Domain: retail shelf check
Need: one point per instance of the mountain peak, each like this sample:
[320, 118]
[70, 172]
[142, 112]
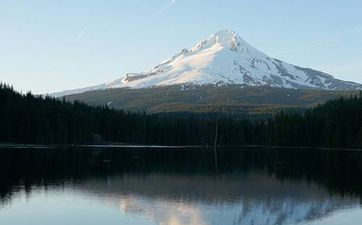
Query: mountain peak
[225, 38]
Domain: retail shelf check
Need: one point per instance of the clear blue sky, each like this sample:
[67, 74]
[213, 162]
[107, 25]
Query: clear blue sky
[52, 45]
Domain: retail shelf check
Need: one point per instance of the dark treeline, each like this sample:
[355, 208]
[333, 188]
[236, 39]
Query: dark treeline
[29, 119]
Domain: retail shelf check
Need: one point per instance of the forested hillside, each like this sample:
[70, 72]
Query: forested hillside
[208, 98]
[25, 118]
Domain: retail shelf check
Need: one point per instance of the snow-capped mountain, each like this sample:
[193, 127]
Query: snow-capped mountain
[225, 58]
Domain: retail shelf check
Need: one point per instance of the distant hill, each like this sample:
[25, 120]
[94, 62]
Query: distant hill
[207, 98]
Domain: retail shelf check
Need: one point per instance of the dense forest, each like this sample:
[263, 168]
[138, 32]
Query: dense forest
[29, 119]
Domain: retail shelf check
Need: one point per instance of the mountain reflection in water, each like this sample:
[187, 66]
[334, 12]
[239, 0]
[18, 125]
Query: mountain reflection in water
[179, 186]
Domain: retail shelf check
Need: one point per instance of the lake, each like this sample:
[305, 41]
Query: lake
[176, 186]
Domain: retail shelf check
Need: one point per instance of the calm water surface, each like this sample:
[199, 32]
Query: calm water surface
[141, 186]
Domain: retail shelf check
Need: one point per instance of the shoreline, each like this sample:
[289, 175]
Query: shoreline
[135, 146]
